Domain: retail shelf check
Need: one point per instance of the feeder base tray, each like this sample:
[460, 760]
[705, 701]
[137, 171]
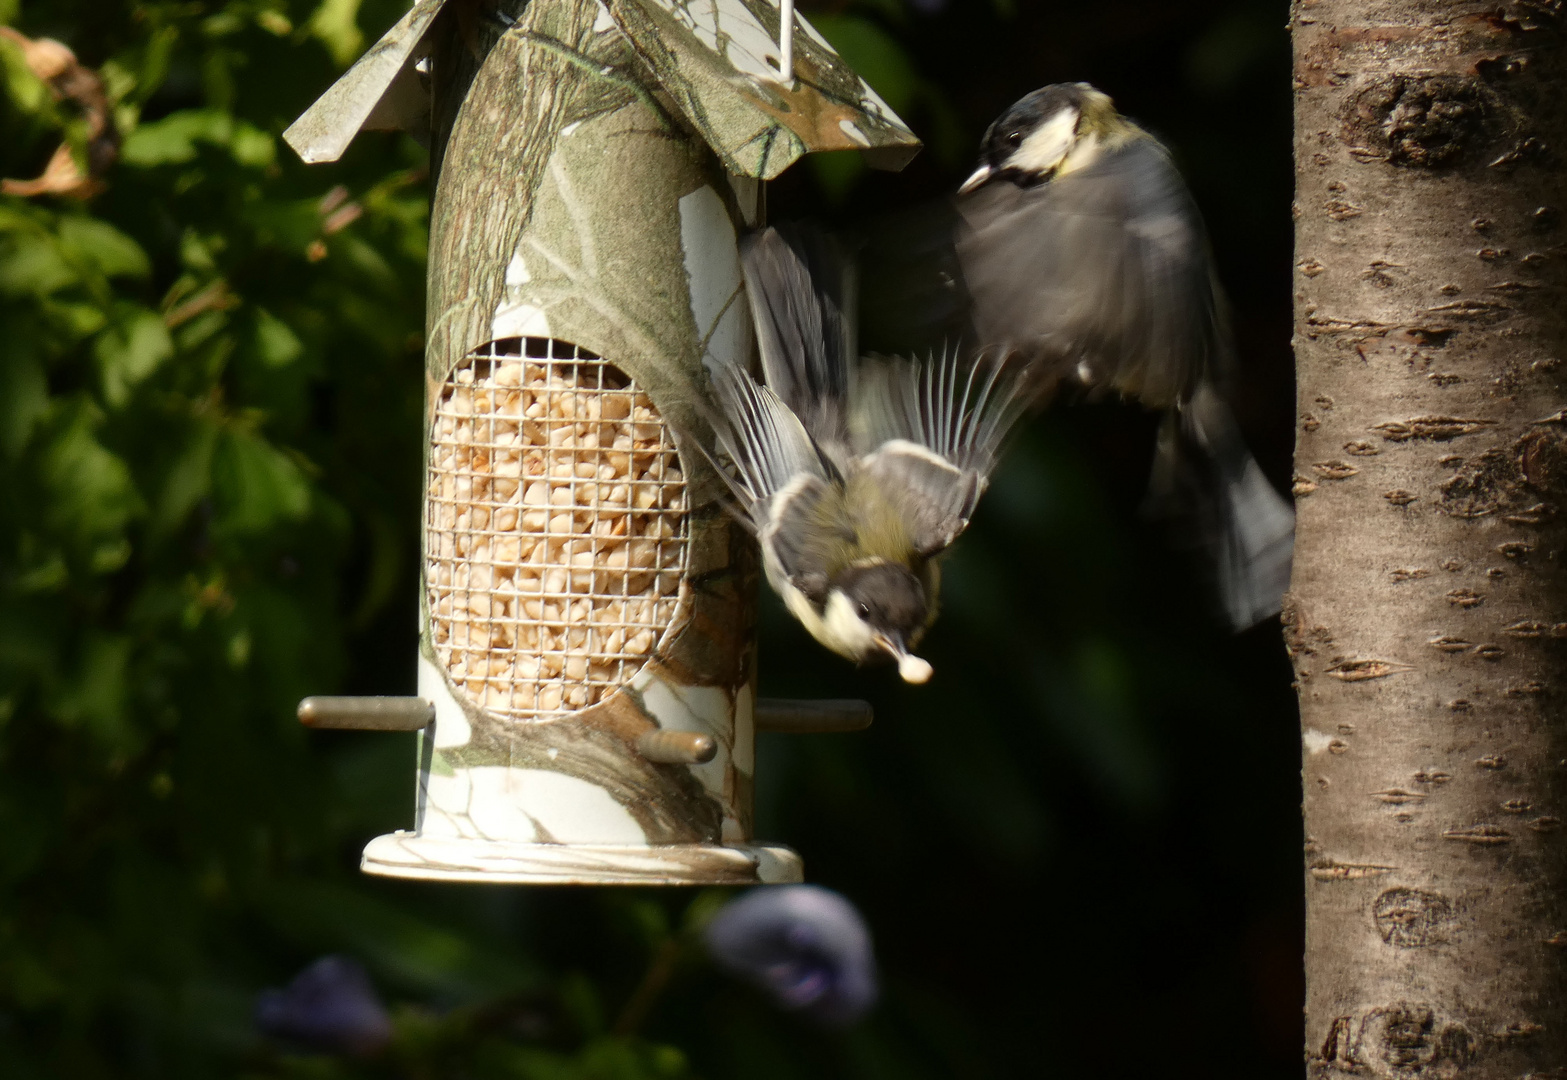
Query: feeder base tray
[409, 855]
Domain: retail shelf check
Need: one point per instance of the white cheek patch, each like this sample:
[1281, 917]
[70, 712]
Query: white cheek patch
[836, 626]
[1048, 144]
[851, 635]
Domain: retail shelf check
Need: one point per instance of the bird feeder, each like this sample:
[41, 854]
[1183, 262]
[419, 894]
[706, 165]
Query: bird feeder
[586, 694]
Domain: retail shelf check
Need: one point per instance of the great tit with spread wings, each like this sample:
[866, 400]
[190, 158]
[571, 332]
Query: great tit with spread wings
[1076, 246]
[854, 473]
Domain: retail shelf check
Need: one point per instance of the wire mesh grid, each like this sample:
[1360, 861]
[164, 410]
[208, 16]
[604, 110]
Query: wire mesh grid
[556, 528]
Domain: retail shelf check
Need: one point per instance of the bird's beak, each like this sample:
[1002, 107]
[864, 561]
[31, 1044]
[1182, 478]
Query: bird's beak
[910, 667]
[981, 174]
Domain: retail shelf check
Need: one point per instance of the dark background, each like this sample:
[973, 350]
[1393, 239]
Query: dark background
[1077, 847]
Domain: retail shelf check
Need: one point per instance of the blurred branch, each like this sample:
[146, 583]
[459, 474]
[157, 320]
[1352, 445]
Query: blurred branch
[214, 297]
[56, 66]
[659, 971]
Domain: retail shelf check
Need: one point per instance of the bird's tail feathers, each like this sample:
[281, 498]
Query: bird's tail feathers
[1208, 484]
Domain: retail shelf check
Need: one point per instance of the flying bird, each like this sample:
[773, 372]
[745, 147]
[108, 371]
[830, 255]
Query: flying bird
[1076, 246]
[854, 473]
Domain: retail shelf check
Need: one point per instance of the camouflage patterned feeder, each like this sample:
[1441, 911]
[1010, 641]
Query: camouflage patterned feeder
[587, 659]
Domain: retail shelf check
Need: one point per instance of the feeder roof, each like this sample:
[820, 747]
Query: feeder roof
[384, 74]
[716, 59]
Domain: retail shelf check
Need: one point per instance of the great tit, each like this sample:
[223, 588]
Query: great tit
[1076, 246]
[854, 473]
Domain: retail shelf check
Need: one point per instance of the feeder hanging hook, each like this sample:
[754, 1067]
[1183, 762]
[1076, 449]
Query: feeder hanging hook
[786, 41]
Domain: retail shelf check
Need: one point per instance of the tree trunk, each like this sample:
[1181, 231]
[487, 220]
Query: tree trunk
[1427, 618]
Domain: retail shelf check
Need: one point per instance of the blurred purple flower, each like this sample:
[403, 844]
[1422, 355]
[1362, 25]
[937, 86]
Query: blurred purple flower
[806, 946]
[330, 1007]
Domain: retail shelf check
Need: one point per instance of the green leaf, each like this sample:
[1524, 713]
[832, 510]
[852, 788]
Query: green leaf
[24, 392]
[289, 224]
[73, 320]
[118, 82]
[276, 344]
[175, 139]
[31, 264]
[18, 215]
[26, 90]
[96, 695]
[156, 58]
[239, 649]
[256, 486]
[89, 495]
[275, 23]
[197, 253]
[134, 346]
[335, 25]
[109, 555]
[46, 573]
[101, 245]
[252, 146]
[223, 23]
[188, 481]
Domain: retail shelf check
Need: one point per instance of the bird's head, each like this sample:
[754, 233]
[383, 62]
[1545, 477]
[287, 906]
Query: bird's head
[879, 608]
[1051, 132]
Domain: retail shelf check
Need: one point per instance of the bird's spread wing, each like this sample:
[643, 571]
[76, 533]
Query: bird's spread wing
[1102, 276]
[801, 287]
[767, 445]
[777, 474]
[927, 435]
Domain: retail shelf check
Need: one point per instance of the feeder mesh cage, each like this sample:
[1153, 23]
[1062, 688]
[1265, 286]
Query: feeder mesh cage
[556, 528]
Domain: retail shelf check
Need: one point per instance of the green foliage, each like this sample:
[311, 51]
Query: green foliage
[174, 526]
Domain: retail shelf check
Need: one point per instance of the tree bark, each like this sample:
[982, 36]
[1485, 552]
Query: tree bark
[1426, 617]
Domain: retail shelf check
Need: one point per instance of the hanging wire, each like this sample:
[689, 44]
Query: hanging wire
[786, 41]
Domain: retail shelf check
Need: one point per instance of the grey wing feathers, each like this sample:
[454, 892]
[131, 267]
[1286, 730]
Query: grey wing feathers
[765, 442]
[779, 477]
[929, 433]
[955, 404]
[801, 288]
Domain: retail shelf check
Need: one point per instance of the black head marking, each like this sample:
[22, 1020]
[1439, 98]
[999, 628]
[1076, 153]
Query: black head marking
[1020, 120]
[887, 596]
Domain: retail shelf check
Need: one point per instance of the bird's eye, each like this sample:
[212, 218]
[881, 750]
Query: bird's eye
[865, 611]
[1015, 139]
